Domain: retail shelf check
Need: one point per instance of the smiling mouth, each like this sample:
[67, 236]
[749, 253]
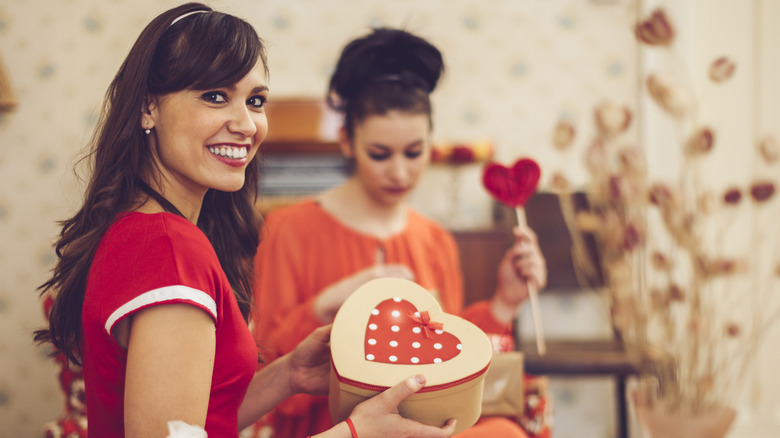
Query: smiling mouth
[228, 151]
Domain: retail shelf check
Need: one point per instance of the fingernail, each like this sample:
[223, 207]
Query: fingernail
[420, 379]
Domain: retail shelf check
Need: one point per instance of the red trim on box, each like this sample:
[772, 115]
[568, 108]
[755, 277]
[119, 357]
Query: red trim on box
[377, 388]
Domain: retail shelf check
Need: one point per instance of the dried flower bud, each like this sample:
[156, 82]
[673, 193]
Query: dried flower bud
[722, 69]
[732, 196]
[662, 196]
[700, 142]
[611, 119]
[661, 262]
[596, 158]
[667, 95]
[633, 236]
[656, 30]
[721, 266]
[770, 149]
[762, 191]
[733, 330]
[617, 187]
[563, 135]
[632, 162]
[676, 293]
[560, 183]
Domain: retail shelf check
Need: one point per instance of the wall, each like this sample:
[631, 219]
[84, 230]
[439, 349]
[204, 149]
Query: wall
[514, 69]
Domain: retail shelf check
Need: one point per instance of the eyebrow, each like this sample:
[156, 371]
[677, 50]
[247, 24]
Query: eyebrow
[259, 89]
[412, 144]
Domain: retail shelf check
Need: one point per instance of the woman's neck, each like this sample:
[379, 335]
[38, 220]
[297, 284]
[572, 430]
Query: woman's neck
[148, 204]
[353, 207]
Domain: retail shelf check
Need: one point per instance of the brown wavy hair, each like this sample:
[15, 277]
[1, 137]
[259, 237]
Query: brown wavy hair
[199, 51]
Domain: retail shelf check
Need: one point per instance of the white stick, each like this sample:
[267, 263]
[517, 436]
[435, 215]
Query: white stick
[533, 294]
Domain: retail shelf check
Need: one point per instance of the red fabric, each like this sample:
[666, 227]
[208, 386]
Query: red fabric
[304, 250]
[72, 423]
[151, 259]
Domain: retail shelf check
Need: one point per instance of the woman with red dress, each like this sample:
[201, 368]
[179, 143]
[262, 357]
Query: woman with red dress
[152, 288]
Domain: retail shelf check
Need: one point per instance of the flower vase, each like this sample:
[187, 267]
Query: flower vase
[658, 420]
[660, 423]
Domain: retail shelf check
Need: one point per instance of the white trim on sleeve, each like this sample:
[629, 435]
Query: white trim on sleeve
[167, 293]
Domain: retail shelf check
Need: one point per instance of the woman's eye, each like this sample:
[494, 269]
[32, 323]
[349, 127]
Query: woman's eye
[214, 97]
[378, 156]
[414, 153]
[257, 101]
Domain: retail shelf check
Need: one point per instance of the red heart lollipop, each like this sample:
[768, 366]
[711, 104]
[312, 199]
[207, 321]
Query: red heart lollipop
[512, 186]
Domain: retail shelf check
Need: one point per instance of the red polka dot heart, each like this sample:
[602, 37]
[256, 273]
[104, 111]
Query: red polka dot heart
[398, 333]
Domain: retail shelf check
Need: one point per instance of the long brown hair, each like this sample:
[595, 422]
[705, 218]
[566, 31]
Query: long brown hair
[198, 51]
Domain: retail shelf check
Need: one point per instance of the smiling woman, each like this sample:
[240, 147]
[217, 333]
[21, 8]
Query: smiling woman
[151, 291]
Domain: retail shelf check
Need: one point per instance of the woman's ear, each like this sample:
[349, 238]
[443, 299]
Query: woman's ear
[148, 113]
[345, 143]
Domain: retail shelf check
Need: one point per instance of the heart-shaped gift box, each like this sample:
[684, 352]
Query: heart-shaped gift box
[390, 329]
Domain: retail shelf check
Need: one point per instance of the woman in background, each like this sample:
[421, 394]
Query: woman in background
[152, 288]
[317, 252]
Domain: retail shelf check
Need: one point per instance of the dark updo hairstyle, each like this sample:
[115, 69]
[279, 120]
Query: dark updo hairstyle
[187, 47]
[388, 69]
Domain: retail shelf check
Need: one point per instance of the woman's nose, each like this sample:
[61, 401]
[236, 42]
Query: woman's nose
[398, 169]
[242, 122]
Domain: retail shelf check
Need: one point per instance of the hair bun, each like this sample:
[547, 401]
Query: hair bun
[386, 53]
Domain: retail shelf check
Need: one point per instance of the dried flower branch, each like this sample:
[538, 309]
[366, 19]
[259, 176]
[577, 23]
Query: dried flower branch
[671, 281]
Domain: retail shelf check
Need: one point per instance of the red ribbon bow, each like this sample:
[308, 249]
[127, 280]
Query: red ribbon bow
[425, 321]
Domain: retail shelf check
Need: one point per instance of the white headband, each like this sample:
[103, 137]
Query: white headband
[186, 15]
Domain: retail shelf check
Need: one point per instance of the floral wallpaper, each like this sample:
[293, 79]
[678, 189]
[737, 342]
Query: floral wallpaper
[514, 69]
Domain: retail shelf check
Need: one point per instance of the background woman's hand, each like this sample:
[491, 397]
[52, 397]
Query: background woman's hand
[330, 300]
[378, 416]
[521, 265]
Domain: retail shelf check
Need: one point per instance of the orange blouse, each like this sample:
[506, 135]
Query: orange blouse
[304, 250]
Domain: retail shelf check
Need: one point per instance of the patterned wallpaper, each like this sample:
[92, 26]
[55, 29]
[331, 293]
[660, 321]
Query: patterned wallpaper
[514, 69]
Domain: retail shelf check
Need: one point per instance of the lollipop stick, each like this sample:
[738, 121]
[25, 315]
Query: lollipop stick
[533, 294]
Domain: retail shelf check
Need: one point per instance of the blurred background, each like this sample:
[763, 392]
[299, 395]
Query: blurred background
[515, 68]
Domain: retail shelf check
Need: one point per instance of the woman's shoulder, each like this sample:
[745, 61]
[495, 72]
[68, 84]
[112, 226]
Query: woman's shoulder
[299, 214]
[421, 225]
[134, 231]
[419, 220]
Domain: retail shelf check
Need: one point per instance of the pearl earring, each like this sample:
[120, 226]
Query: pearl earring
[148, 131]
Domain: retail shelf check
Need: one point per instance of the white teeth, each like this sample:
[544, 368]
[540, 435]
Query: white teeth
[228, 151]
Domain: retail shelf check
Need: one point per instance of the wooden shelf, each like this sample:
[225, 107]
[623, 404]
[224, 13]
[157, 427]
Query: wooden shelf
[306, 147]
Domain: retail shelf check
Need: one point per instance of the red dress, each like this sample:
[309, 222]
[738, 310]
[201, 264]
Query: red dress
[146, 260]
[304, 250]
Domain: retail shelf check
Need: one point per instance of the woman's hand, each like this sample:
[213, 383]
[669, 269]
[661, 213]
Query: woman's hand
[378, 416]
[306, 369]
[309, 366]
[330, 300]
[523, 264]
